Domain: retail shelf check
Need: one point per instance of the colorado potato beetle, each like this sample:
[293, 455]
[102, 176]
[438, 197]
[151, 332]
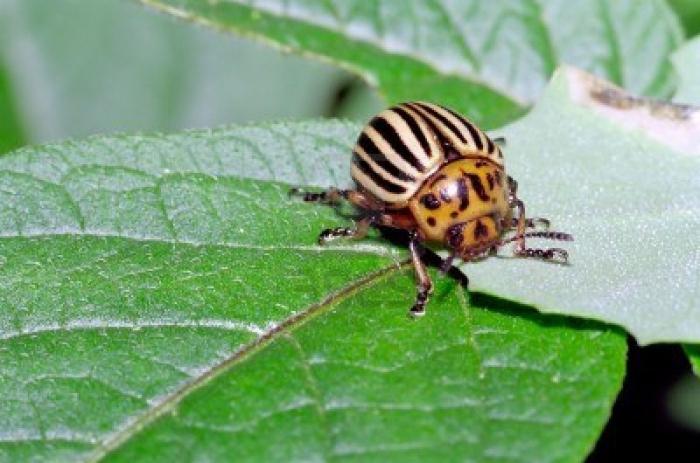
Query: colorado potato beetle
[428, 170]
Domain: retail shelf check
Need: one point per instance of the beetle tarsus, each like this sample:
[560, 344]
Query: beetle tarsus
[332, 233]
[425, 285]
[331, 196]
[418, 309]
[360, 231]
[546, 254]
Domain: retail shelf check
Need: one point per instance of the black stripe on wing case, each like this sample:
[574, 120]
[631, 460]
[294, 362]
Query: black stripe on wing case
[490, 146]
[415, 129]
[443, 120]
[470, 127]
[380, 159]
[445, 143]
[376, 178]
[389, 133]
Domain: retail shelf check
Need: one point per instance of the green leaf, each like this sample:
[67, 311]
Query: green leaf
[686, 60]
[694, 356]
[683, 402]
[488, 59]
[688, 12]
[622, 175]
[156, 306]
[142, 71]
[11, 132]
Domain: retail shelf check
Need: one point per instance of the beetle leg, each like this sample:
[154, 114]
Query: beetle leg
[447, 263]
[530, 223]
[333, 196]
[522, 251]
[330, 196]
[453, 239]
[546, 254]
[425, 286]
[359, 232]
[520, 223]
[512, 190]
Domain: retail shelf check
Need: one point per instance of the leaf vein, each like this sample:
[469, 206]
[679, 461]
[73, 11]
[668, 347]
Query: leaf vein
[170, 402]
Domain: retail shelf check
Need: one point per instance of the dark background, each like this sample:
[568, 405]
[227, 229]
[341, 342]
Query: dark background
[642, 425]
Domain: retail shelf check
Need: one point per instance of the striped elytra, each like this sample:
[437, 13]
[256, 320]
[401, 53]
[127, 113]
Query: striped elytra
[404, 145]
[425, 169]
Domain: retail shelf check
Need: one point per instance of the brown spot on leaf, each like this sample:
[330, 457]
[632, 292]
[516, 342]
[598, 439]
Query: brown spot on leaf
[673, 125]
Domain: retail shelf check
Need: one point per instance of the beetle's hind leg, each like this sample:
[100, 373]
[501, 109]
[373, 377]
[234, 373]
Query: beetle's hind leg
[425, 285]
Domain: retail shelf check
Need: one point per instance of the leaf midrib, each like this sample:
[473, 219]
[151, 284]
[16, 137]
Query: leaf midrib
[355, 248]
[287, 326]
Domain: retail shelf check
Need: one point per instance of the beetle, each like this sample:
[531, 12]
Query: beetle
[426, 169]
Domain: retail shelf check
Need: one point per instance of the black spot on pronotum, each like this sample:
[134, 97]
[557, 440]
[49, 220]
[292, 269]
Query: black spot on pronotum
[490, 180]
[454, 214]
[463, 194]
[431, 221]
[430, 201]
[478, 186]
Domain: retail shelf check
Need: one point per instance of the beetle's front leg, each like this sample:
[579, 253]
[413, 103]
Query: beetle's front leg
[359, 232]
[522, 251]
[333, 196]
[533, 222]
[425, 285]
